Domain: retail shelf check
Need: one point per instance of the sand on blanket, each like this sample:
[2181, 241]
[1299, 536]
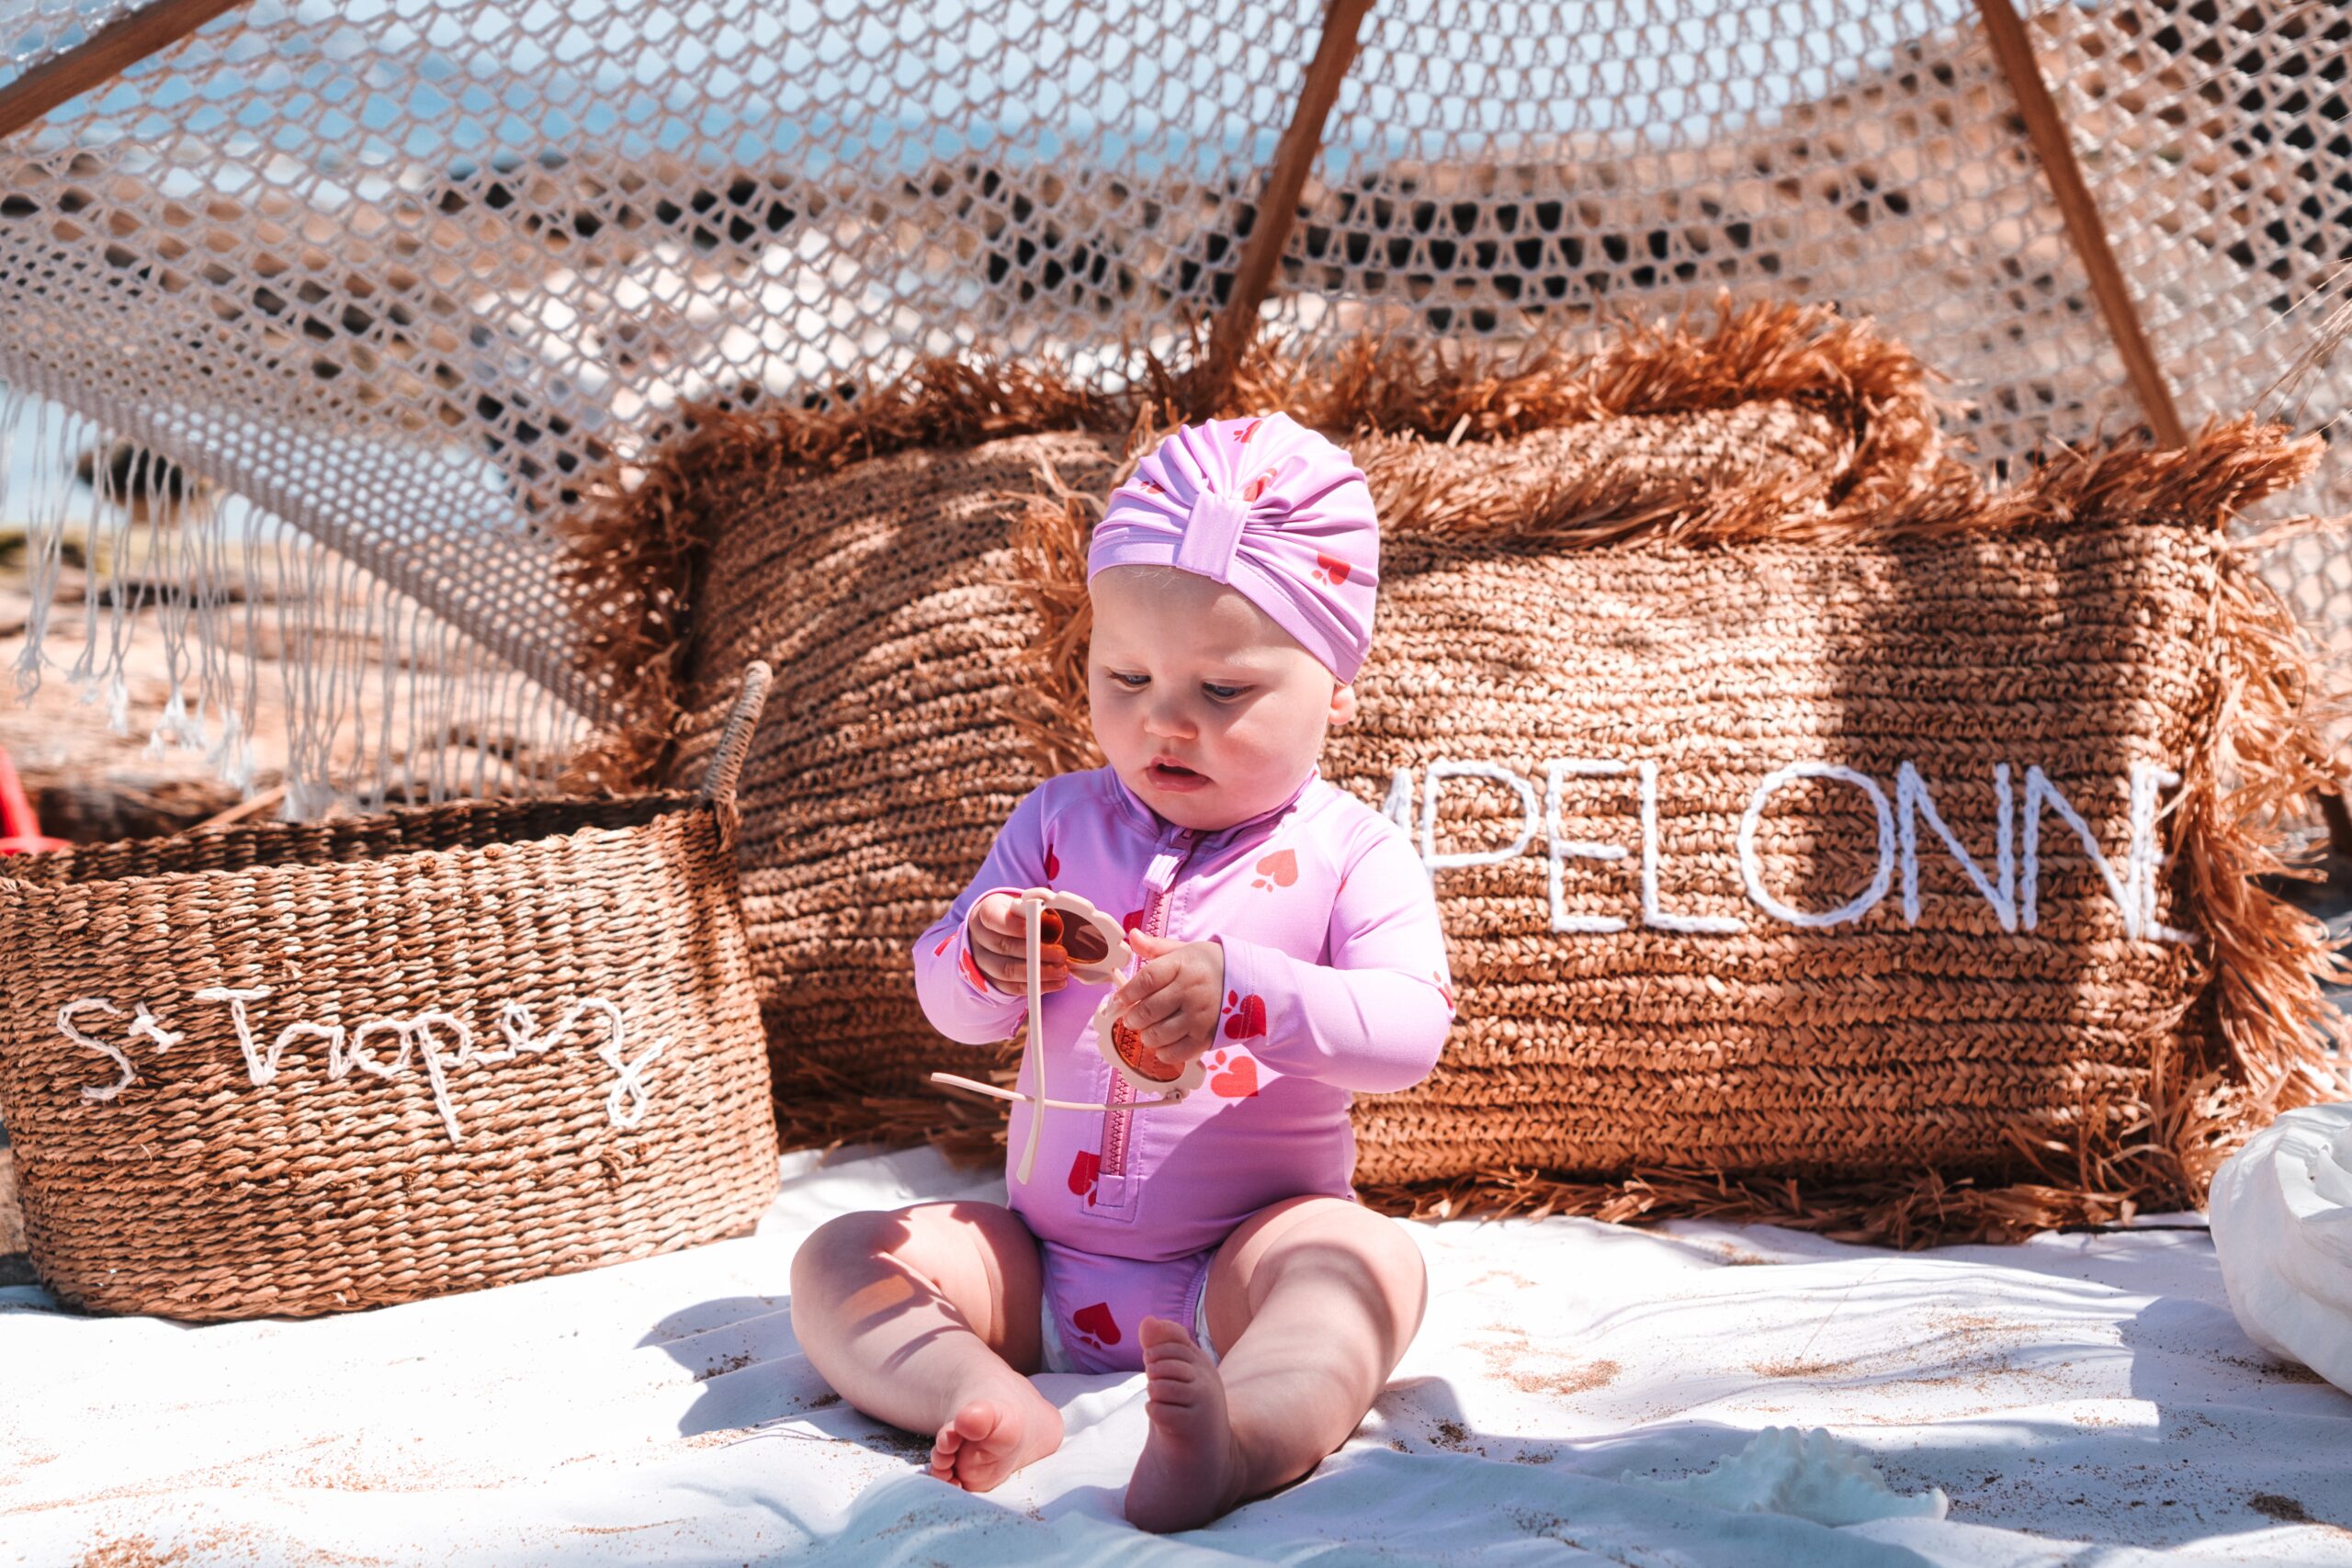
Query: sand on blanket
[2078, 1398]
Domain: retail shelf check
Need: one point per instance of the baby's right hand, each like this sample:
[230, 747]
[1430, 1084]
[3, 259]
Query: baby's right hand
[999, 947]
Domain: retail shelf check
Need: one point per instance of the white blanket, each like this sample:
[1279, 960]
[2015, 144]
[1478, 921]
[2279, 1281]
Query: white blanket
[2081, 1399]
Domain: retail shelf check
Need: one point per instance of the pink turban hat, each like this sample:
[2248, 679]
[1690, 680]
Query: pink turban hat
[1268, 508]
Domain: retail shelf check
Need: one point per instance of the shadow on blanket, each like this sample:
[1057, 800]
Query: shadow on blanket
[2161, 1485]
[742, 1349]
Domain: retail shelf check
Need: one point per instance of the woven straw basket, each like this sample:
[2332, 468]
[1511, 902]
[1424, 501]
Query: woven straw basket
[296, 1069]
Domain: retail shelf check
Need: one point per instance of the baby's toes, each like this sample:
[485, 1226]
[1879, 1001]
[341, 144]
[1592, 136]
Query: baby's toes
[1169, 1369]
[1159, 1334]
[1170, 1357]
[1170, 1353]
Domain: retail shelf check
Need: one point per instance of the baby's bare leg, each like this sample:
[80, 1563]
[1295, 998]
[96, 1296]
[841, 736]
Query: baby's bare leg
[926, 1317]
[1315, 1299]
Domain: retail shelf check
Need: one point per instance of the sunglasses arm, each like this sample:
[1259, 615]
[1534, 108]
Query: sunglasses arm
[1032, 905]
[1057, 1104]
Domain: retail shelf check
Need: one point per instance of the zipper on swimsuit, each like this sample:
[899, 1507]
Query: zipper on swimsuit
[1159, 878]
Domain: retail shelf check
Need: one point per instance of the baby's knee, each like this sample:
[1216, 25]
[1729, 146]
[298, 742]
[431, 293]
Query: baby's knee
[1392, 1283]
[843, 1242]
[1389, 1255]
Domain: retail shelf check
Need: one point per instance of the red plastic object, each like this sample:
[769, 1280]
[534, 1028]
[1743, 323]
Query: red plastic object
[20, 831]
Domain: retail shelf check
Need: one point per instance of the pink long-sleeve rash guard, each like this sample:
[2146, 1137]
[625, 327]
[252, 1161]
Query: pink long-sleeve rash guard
[1336, 981]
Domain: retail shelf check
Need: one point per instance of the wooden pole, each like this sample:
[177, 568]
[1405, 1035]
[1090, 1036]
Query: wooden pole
[1278, 203]
[2015, 51]
[108, 52]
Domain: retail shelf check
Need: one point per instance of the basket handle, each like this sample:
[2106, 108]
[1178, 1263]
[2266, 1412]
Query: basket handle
[735, 740]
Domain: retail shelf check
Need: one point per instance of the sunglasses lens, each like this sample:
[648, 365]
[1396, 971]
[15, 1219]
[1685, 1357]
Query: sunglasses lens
[1050, 927]
[1084, 943]
[1142, 1057]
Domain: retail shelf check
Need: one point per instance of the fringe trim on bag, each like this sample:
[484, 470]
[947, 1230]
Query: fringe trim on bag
[818, 1107]
[2054, 1185]
[636, 550]
[638, 542]
[1401, 408]
[1928, 1211]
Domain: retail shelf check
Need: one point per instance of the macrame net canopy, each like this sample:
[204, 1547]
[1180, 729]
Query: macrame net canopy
[384, 284]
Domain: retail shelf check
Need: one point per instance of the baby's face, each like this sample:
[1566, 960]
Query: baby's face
[1205, 708]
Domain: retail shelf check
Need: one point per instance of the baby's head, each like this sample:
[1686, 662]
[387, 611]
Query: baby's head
[1233, 580]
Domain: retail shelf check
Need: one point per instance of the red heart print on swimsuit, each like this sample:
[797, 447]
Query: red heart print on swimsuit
[1248, 1018]
[1096, 1323]
[1085, 1172]
[1132, 921]
[1328, 571]
[1277, 870]
[1238, 1080]
[972, 971]
[1053, 863]
[942, 948]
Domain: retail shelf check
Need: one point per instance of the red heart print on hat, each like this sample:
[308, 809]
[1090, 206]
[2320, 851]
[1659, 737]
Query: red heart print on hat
[1330, 571]
[1277, 870]
[1096, 1323]
[1247, 431]
[1248, 1018]
[1257, 487]
[1085, 1173]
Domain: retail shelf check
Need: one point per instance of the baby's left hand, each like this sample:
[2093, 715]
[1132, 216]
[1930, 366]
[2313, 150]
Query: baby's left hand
[1172, 1001]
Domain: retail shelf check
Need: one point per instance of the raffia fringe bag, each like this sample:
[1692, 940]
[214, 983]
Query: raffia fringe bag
[1758, 756]
[284, 1070]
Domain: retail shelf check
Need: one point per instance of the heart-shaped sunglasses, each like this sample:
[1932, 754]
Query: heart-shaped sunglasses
[1096, 950]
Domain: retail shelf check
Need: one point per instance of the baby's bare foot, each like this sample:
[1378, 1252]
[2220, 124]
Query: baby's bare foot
[993, 1434]
[1191, 1470]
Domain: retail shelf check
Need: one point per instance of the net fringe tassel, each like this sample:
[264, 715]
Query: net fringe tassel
[384, 700]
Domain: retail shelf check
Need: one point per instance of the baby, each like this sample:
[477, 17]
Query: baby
[1285, 935]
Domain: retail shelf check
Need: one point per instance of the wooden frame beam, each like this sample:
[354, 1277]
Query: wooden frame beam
[2014, 50]
[2048, 132]
[106, 54]
[1278, 202]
